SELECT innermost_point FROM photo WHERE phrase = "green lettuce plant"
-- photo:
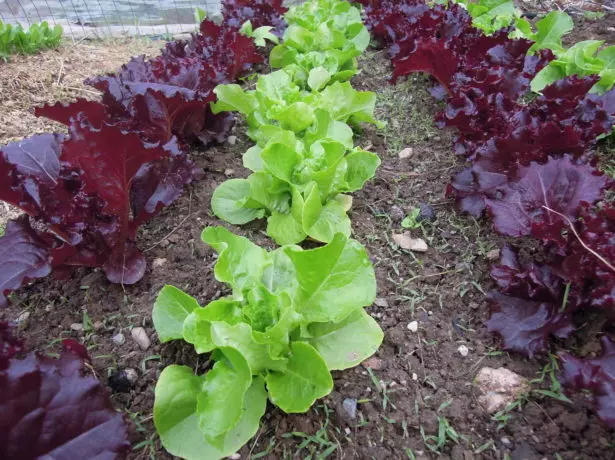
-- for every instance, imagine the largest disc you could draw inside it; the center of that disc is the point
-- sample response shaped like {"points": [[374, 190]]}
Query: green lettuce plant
{"points": [[304, 160], [14, 39], [584, 58], [321, 43], [294, 315], [259, 35], [492, 15]]}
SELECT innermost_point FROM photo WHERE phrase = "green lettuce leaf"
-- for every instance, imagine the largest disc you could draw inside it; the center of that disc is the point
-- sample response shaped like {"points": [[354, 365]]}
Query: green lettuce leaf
{"points": [[231, 202], [348, 343], [334, 280], [177, 421], [221, 399], [171, 309], [305, 380], [241, 263]]}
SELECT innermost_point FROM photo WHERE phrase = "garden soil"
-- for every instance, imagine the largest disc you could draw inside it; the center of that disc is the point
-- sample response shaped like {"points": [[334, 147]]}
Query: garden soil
{"points": [[416, 381]]}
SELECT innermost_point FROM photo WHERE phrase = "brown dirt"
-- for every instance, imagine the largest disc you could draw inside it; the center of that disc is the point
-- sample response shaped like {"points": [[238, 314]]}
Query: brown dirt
{"points": [[414, 373]]}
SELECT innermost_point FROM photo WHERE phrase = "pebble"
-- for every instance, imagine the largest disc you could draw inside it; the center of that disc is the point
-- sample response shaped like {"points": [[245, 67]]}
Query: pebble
{"points": [[406, 153], [463, 350], [506, 442], [380, 302], [22, 320], [405, 241], [232, 140], [159, 262], [97, 325], [415, 377], [498, 388], [49, 308], [140, 336], [413, 326], [229, 172], [372, 363], [235, 456], [77, 327], [350, 406], [493, 255], [119, 339]]}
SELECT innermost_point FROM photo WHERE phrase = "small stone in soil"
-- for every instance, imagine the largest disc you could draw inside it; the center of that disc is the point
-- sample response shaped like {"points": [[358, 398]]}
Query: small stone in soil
{"points": [[396, 214], [77, 327], [405, 241], [413, 326], [229, 172], [426, 213], [159, 262], [380, 302], [415, 376], [498, 387], [232, 140], [493, 255], [372, 363], [140, 336], [406, 153], [463, 350], [350, 406], [22, 320], [122, 380], [119, 339]]}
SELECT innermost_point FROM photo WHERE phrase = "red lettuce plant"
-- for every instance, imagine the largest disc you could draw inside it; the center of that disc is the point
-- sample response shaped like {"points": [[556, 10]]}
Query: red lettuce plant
{"points": [[50, 408], [596, 375], [124, 158], [532, 168]]}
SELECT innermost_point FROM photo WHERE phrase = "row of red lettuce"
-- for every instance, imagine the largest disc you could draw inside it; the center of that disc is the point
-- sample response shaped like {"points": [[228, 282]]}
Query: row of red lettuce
{"points": [[531, 168]]}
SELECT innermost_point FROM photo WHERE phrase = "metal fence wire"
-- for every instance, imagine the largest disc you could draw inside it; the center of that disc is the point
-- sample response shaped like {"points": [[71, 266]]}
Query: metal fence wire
{"points": [[108, 18]]}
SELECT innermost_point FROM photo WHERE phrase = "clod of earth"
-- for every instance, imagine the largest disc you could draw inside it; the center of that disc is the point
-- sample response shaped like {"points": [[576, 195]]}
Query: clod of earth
{"points": [[499, 387]]}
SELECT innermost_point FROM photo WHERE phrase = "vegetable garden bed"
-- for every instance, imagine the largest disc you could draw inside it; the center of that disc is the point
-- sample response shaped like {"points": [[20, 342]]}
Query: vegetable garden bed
{"points": [[416, 384]]}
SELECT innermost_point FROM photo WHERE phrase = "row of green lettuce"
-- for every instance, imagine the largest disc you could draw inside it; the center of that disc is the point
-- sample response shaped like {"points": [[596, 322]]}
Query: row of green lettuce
{"points": [[294, 315], [15, 39], [304, 161], [585, 58]]}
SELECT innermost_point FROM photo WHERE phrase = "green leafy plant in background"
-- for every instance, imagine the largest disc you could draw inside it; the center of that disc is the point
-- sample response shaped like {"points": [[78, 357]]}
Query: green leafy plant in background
{"points": [[411, 221], [199, 15], [321, 43], [492, 15], [294, 315], [584, 58], [259, 35], [14, 39], [304, 159]]}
